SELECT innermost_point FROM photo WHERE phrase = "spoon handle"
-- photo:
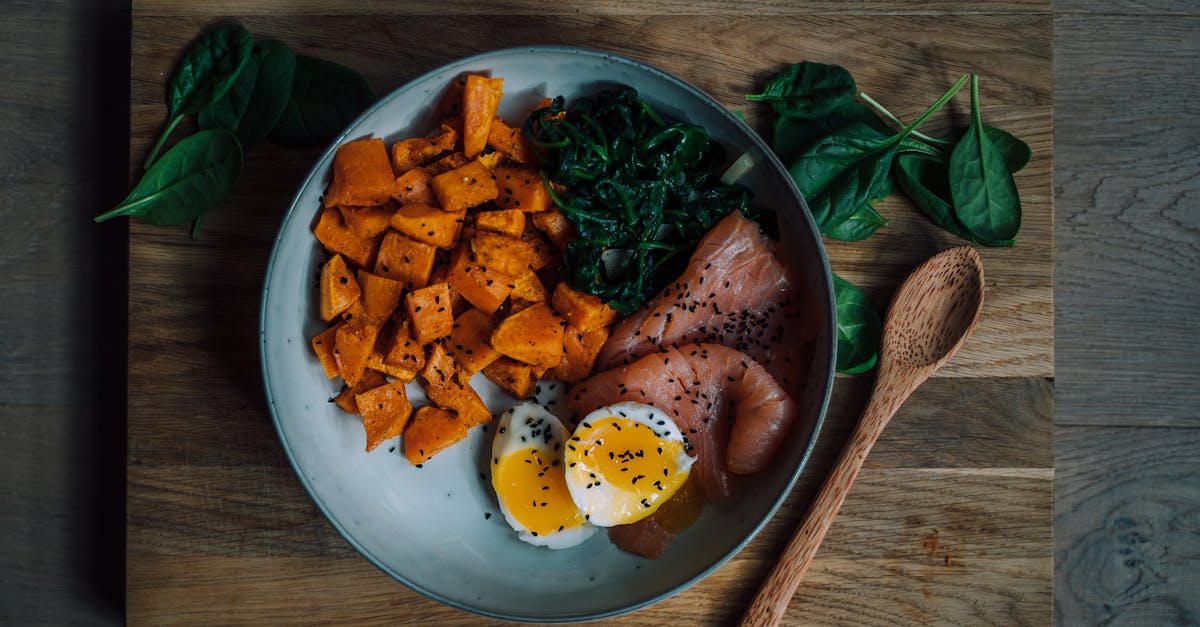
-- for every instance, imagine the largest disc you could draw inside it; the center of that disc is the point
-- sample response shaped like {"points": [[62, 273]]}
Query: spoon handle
{"points": [[776, 592]]}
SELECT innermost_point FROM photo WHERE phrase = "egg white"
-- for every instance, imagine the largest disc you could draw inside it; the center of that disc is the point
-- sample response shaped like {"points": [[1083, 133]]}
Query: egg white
{"points": [[608, 501], [530, 426]]}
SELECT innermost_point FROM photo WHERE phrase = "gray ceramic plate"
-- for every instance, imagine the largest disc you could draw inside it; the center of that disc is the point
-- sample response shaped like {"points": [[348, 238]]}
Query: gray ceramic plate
{"points": [[428, 527]]}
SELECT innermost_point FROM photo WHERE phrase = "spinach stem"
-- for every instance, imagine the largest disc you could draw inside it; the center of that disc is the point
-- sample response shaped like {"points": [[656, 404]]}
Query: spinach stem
{"points": [[933, 108], [161, 140], [895, 120]]}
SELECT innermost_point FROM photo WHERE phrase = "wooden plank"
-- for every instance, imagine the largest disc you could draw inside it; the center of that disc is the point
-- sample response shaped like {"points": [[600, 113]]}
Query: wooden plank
{"points": [[935, 543], [1126, 530], [1142, 8], [1129, 272], [173, 8]]}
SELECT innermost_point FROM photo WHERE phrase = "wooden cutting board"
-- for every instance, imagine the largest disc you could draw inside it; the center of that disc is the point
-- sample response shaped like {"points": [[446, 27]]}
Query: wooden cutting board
{"points": [[950, 521]]}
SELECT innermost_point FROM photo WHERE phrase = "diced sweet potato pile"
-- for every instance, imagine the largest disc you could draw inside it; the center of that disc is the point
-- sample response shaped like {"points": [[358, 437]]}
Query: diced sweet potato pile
{"points": [[442, 264]]}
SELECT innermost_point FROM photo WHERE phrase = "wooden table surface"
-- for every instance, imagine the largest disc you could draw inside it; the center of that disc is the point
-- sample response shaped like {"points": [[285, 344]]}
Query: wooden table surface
{"points": [[1127, 353], [950, 521]]}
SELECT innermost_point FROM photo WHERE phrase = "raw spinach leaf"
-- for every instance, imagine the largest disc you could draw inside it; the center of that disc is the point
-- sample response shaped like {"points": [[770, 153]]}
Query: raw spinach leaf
{"points": [[808, 90], [1016, 152], [208, 69], [846, 169], [795, 135], [864, 222], [189, 179], [927, 183], [858, 328], [257, 99], [326, 97], [859, 226], [981, 186]]}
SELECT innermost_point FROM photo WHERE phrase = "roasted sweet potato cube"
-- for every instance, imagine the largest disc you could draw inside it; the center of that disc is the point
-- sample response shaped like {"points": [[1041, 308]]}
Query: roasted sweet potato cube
{"points": [[448, 163], [485, 288], [345, 399], [361, 174], [352, 345], [464, 187], [556, 226], [415, 187], [402, 258], [528, 287], [430, 313], [469, 341], [585, 311], [510, 255], [426, 223], [507, 221], [481, 96], [533, 335], [323, 345], [512, 376], [380, 296], [520, 188], [333, 233], [447, 386], [378, 363], [404, 351], [413, 153], [490, 160], [511, 143], [385, 411], [451, 102], [338, 289], [367, 222], [431, 431], [580, 349], [546, 255]]}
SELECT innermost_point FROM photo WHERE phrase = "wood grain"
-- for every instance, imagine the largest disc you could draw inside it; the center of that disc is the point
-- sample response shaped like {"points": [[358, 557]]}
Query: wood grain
{"points": [[1133, 179], [62, 315], [1128, 535], [950, 521]]}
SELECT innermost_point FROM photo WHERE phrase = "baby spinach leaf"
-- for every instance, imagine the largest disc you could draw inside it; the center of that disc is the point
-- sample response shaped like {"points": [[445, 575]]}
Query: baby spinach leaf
{"points": [[208, 69], [843, 171], [981, 186], [864, 222], [326, 97], [859, 226], [858, 328], [795, 135], [1016, 152], [808, 90], [257, 99], [189, 179], [927, 183]]}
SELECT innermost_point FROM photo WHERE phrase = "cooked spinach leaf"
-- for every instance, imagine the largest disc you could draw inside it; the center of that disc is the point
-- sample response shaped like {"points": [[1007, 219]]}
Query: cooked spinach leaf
{"points": [[640, 191]]}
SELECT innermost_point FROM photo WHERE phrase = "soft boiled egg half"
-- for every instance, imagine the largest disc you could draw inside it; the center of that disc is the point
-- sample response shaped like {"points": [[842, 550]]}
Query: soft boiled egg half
{"points": [[623, 462], [528, 477]]}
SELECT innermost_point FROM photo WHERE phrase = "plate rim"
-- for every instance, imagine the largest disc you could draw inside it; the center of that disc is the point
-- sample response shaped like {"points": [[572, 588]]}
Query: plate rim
{"points": [[828, 302]]}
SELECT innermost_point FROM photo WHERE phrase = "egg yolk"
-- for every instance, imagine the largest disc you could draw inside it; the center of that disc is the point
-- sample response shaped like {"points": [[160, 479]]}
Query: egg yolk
{"points": [[534, 491], [630, 457]]}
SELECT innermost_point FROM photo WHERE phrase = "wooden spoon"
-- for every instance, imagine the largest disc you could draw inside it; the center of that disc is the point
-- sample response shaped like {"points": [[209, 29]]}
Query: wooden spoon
{"points": [[931, 316]]}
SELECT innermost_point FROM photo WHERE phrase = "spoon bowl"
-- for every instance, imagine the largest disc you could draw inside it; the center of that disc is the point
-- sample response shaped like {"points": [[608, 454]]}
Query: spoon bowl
{"points": [[932, 314], [934, 310]]}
